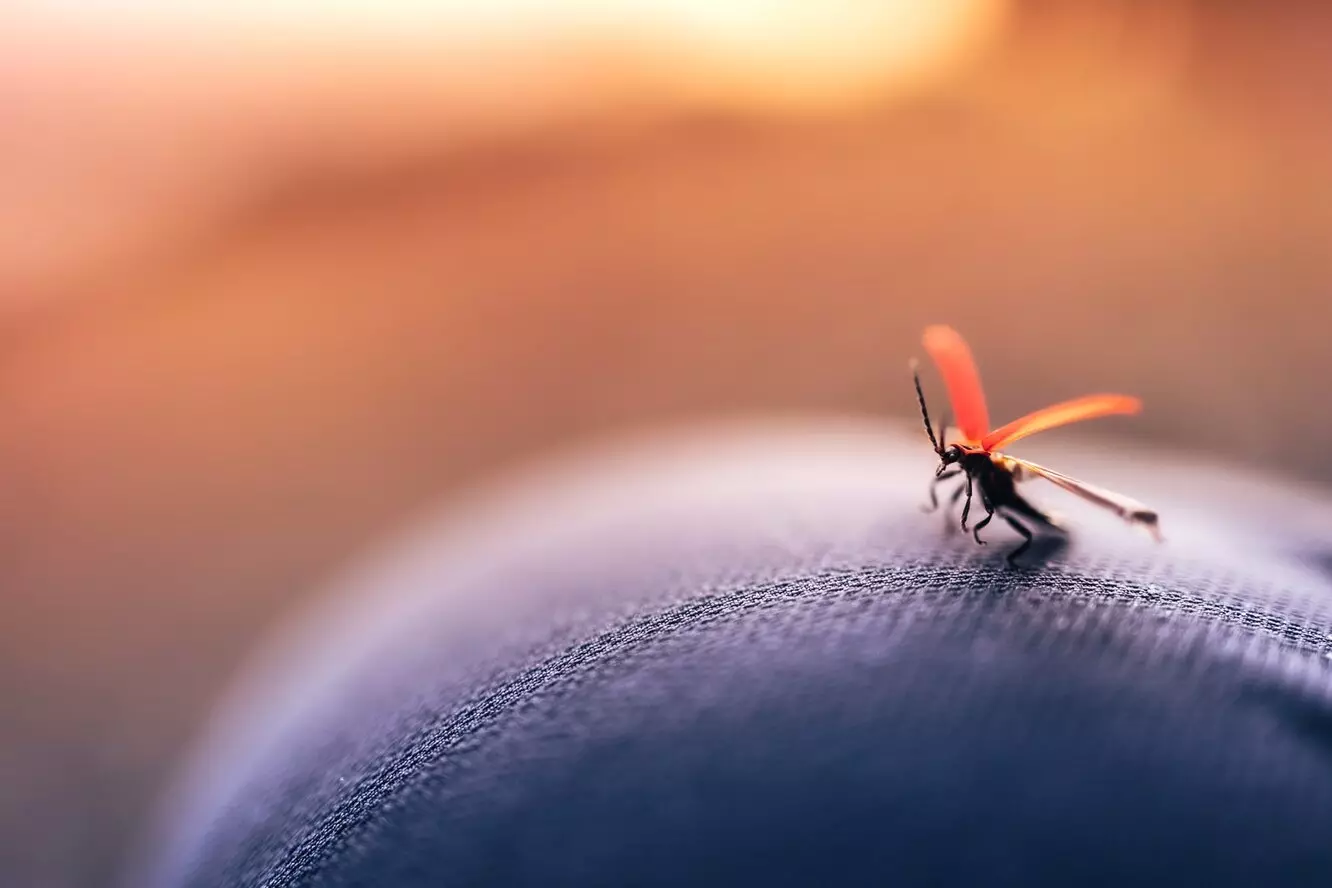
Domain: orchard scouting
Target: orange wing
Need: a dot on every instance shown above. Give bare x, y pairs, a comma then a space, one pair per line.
1087, 407
953, 358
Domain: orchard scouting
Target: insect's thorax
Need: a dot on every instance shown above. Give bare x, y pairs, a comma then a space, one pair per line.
986, 465
974, 458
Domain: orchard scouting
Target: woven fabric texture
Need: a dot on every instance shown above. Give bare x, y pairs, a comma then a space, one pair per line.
749, 658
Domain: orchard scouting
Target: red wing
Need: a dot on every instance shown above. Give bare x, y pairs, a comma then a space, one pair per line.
1088, 407
953, 358
1130, 510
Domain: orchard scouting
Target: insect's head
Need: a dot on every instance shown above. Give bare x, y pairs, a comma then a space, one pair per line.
947, 457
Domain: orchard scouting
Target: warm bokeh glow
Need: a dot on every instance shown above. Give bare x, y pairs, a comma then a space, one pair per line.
149, 117
779, 52
802, 53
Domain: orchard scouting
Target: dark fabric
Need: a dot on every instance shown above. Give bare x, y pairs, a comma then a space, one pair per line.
763, 665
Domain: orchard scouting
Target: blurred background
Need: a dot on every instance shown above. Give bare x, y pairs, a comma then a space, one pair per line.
277, 276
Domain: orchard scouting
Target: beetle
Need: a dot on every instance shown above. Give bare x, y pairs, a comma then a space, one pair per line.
978, 454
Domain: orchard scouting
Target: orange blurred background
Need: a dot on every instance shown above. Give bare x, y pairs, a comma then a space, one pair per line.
275, 278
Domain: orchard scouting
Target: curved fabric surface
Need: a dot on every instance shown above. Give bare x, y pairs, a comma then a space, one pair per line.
749, 658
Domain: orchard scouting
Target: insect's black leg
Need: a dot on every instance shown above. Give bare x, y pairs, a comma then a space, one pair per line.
1026, 539
966, 507
957, 495
934, 498
952, 501
989, 516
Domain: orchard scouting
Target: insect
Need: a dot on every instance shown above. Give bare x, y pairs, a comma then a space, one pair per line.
978, 458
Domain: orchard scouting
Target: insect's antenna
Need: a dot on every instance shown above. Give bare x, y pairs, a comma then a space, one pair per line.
924, 411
